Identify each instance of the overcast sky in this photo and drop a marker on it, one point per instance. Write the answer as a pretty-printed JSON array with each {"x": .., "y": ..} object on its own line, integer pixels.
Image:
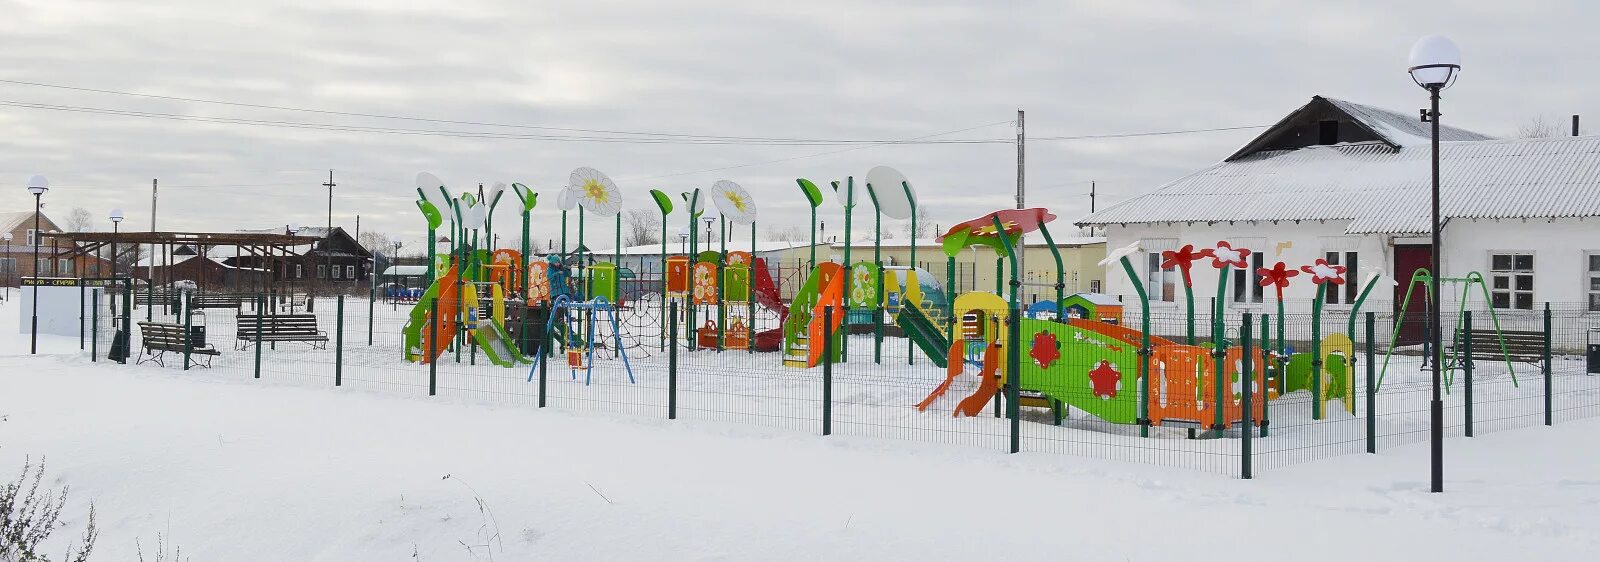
[{"x": 813, "y": 70}]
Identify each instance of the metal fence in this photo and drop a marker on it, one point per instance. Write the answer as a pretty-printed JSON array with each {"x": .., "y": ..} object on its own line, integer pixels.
[{"x": 650, "y": 365}]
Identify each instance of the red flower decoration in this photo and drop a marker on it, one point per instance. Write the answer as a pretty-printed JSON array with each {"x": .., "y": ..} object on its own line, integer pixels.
[
  {"x": 1183, "y": 259},
  {"x": 1278, "y": 276},
  {"x": 1105, "y": 381},
  {"x": 1323, "y": 272},
  {"x": 1225, "y": 255},
  {"x": 1044, "y": 350}
]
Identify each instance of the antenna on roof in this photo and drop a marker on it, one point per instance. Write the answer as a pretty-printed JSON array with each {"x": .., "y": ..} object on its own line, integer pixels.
[{"x": 1574, "y": 125}]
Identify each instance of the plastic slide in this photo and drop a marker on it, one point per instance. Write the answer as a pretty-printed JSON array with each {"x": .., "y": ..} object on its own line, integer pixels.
[
  {"x": 923, "y": 333},
  {"x": 1124, "y": 334},
  {"x": 766, "y": 294},
  {"x": 951, "y": 372},
  {"x": 798, "y": 347},
  {"x": 830, "y": 295},
  {"x": 416, "y": 328},
  {"x": 988, "y": 385}
]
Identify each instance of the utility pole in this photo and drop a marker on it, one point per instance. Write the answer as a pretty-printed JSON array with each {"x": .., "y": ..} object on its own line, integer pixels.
[
  {"x": 150, "y": 271},
  {"x": 1091, "y": 205},
  {"x": 1022, "y": 245},
  {"x": 328, "y": 235}
]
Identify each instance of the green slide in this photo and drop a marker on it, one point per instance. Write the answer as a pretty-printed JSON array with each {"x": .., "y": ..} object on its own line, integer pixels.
[
  {"x": 497, "y": 344},
  {"x": 418, "y": 319},
  {"x": 923, "y": 333}
]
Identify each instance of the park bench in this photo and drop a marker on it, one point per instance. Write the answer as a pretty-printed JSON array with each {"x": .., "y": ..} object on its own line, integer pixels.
[
  {"x": 215, "y": 300},
  {"x": 1521, "y": 346},
  {"x": 158, "y": 338},
  {"x": 279, "y": 328}
]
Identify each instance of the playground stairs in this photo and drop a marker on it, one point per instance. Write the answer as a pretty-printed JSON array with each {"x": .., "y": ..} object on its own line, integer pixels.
[{"x": 797, "y": 354}]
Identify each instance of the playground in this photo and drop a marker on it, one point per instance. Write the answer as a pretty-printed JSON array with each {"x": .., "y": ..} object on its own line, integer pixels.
[{"x": 856, "y": 347}]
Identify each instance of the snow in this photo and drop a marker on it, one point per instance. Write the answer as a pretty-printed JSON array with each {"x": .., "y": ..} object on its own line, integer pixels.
[{"x": 290, "y": 468}]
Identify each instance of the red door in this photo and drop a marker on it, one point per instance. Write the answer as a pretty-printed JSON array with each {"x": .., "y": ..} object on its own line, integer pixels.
[{"x": 1407, "y": 260}]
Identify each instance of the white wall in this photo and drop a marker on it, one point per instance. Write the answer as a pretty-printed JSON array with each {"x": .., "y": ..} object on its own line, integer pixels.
[{"x": 1559, "y": 248}]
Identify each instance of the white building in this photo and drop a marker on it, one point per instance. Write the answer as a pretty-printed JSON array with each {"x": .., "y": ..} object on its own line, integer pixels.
[{"x": 1351, "y": 184}]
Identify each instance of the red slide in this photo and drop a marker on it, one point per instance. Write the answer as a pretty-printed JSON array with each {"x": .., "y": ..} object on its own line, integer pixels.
[
  {"x": 971, "y": 406},
  {"x": 766, "y": 293},
  {"x": 954, "y": 365}
]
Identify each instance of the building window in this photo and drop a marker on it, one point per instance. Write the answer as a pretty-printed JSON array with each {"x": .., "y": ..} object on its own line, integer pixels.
[
  {"x": 29, "y": 236},
  {"x": 1094, "y": 286},
  {"x": 1160, "y": 284},
  {"x": 41, "y": 267},
  {"x": 1346, "y": 293},
  {"x": 1247, "y": 284},
  {"x": 8, "y": 266},
  {"x": 1593, "y": 279},
  {"x": 65, "y": 267},
  {"x": 299, "y": 272},
  {"x": 322, "y": 271},
  {"x": 1511, "y": 280},
  {"x": 336, "y": 271},
  {"x": 350, "y": 271}
]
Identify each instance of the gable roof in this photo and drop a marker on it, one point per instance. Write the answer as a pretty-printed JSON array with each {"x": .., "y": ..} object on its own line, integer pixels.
[
  {"x": 1392, "y": 128},
  {"x": 1379, "y": 189},
  {"x": 11, "y": 220}
]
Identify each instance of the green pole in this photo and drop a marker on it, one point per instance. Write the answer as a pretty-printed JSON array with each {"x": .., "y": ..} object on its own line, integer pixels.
[
  {"x": 694, "y": 213},
  {"x": 1060, "y": 269},
  {"x": 372, "y": 299},
  {"x": 950, "y": 296},
  {"x": 1266, "y": 391},
  {"x": 94, "y": 326},
  {"x": 261, "y": 303},
  {"x": 1316, "y": 353},
  {"x": 1013, "y": 355},
  {"x": 722, "y": 278},
  {"x": 338, "y": 345},
  {"x": 583, "y": 285},
  {"x": 849, "y": 209},
  {"x": 1466, "y": 370},
  {"x": 616, "y": 253},
  {"x": 1219, "y": 348},
  {"x": 911, "y": 355},
  {"x": 1548, "y": 382},
  {"x": 1248, "y": 381},
  {"x": 877, "y": 265},
  {"x": 188, "y": 327},
  {"x": 814, "y": 198},
  {"x": 1144, "y": 347},
  {"x": 433, "y": 337},
  {"x": 999, "y": 275},
  {"x": 750, "y": 278},
  {"x": 1372, "y": 392}
]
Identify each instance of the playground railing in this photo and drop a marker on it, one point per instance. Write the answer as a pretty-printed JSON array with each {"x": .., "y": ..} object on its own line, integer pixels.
[{"x": 876, "y": 387}]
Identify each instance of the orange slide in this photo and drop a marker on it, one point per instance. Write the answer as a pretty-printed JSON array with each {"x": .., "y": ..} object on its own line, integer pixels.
[
  {"x": 445, "y": 320},
  {"x": 832, "y": 294},
  {"x": 954, "y": 364},
  {"x": 989, "y": 384}
]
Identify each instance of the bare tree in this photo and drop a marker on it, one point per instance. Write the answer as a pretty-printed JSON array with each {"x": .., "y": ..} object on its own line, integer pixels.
[
  {"x": 375, "y": 242},
  {"x": 643, "y": 227},
  {"x": 924, "y": 225},
  {"x": 1537, "y": 127},
  {"x": 791, "y": 233},
  {"x": 79, "y": 220}
]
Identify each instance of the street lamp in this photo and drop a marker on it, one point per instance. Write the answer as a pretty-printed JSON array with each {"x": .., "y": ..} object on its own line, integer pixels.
[
  {"x": 683, "y": 242},
  {"x": 37, "y": 185},
  {"x": 1435, "y": 61},
  {"x": 116, "y": 219},
  {"x": 709, "y": 220}
]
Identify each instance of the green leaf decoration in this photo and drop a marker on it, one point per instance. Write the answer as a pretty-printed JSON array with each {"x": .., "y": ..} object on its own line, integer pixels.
[
  {"x": 431, "y": 212},
  {"x": 527, "y": 196},
  {"x": 813, "y": 195},
  {"x": 662, "y": 201}
]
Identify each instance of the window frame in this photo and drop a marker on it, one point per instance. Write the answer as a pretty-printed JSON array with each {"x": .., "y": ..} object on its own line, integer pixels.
[
  {"x": 1350, "y": 288},
  {"x": 1257, "y": 294},
  {"x": 322, "y": 271},
  {"x": 1155, "y": 280},
  {"x": 1511, "y": 291},
  {"x": 350, "y": 272},
  {"x": 1591, "y": 276}
]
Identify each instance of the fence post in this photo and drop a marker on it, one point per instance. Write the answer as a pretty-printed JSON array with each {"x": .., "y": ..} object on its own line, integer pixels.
[
  {"x": 188, "y": 326},
  {"x": 83, "y": 299},
  {"x": 372, "y": 302},
  {"x": 1548, "y": 382},
  {"x": 672, "y": 362},
  {"x": 1466, "y": 366},
  {"x": 94, "y": 326},
  {"x": 545, "y": 349},
  {"x": 1247, "y": 384},
  {"x": 127, "y": 324},
  {"x": 1266, "y": 380},
  {"x": 1372, "y": 399},
  {"x": 338, "y": 346},
  {"x": 433, "y": 346},
  {"x": 1013, "y": 370},
  {"x": 827, "y": 370},
  {"x": 260, "y": 310}
]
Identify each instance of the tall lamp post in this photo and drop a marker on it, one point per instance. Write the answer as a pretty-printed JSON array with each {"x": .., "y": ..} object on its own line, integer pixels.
[
  {"x": 1435, "y": 61},
  {"x": 37, "y": 185},
  {"x": 116, "y": 219}
]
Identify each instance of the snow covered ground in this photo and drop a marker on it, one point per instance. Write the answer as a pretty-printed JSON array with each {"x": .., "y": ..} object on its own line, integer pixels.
[{"x": 288, "y": 468}]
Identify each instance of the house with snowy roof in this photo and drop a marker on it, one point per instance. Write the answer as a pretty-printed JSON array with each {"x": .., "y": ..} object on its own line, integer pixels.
[{"x": 1351, "y": 184}]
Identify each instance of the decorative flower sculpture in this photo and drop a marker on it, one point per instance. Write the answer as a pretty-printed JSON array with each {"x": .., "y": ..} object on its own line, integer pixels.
[
  {"x": 1276, "y": 277},
  {"x": 1105, "y": 381},
  {"x": 1323, "y": 272},
  {"x": 1183, "y": 259},
  {"x": 1225, "y": 255},
  {"x": 705, "y": 284}
]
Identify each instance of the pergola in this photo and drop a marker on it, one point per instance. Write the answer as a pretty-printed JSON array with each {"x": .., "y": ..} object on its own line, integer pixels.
[{"x": 266, "y": 248}]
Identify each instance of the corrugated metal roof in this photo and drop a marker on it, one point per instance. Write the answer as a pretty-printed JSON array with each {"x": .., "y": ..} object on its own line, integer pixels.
[
  {"x": 1400, "y": 128},
  {"x": 1380, "y": 189}
]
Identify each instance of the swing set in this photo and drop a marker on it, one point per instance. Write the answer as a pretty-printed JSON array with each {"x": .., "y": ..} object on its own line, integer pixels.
[
  {"x": 580, "y": 348},
  {"x": 1454, "y": 361}
]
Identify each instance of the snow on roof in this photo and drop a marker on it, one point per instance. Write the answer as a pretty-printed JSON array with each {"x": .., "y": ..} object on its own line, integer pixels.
[
  {"x": 406, "y": 270},
  {"x": 1380, "y": 189},
  {"x": 9, "y": 220},
  {"x": 1033, "y": 239},
  {"x": 762, "y": 246},
  {"x": 1099, "y": 299},
  {"x": 1402, "y": 129}
]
